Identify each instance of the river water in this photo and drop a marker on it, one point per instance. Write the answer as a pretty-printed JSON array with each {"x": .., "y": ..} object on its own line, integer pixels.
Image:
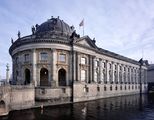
[{"x": 134, "y": 107}]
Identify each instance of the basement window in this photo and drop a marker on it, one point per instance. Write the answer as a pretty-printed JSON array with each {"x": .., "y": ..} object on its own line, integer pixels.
[
  {"x": 110, "y": 88},
  {"x": 63, "y": 90},
  {"x": 105, "y": 89},
  {"x": 98, "y": 89}
]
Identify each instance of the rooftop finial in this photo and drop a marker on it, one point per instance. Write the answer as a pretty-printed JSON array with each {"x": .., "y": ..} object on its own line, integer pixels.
[
  {"x": 58, "y": 17},
  {"x": 51, "y": 17}
]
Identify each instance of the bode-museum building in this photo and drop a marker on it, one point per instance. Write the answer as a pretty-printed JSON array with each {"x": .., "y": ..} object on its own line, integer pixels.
[{"x": 61, "y": 64}]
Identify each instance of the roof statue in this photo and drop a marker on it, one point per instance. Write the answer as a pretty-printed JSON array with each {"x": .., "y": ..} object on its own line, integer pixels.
[
  {"x": 12, "y": 40},
  {"x": 33, "y": 30},
  {"x": 18, "y": 34}
]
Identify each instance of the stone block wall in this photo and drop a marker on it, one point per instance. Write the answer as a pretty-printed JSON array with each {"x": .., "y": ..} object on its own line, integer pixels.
[
  {"x": 53, "y": 95},
  {"x": 86, "y": 92},
  {"x": 22, "y": 97}
]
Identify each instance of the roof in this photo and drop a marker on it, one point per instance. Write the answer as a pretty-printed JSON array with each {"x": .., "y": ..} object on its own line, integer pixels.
[{"x": 54, "y": 25}]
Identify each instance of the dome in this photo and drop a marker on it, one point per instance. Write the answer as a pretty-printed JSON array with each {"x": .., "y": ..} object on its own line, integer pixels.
[{"x": 54, "y": 25}]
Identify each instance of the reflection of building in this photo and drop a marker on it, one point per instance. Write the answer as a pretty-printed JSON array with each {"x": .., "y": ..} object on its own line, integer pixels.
[{"x": 54, "y": 57}]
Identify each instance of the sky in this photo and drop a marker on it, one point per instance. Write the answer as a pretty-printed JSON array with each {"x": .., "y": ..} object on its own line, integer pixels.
[{"x": 125, "y": 27}]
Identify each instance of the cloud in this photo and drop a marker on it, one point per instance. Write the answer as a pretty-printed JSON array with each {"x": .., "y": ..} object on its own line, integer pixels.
[{"x": 122, "y": 26}]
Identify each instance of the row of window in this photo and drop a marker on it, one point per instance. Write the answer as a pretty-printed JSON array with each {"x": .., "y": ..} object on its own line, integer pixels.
[
  {"x": 86, "y": 89},
  {"x": 43, "y": 57}
]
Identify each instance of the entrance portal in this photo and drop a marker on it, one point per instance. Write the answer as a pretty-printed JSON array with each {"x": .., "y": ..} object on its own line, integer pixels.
[
  {"x": 2, "y": 108},
  {"x": 44, "y": 77},
  {"x": 62, "y": 77},
  {"x": 27, "y": 76}
]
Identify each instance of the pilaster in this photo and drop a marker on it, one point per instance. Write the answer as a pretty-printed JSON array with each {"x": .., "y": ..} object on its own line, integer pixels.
[{"x": 34, "y": 68}]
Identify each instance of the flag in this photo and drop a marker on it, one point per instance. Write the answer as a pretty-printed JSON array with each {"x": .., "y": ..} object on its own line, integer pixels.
[{"x": 81, "y": 23}]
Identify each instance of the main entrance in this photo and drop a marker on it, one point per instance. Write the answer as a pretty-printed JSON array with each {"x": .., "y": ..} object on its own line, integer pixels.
[
  {"x": 62, "y": 77},
  {"x": 43, "y": 77},
  {"x": 27, "y": 76}
]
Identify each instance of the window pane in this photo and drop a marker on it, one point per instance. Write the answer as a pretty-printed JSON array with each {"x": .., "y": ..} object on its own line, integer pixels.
[
  {"x": 27, "y": 57},
  {"x": 83, "y": 75},
  {"x": 83, "y": 60},
  {"x": 62, "y": 57},
  {"x": 96, "y": 75},
  {"x": 44, "y": 56}
]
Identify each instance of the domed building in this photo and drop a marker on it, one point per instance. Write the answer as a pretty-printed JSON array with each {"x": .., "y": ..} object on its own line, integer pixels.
[{"x": 61, "y": 64}]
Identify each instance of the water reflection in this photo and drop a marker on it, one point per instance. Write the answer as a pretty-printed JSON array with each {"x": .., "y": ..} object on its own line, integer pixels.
[{"x": 134, "y": 107}]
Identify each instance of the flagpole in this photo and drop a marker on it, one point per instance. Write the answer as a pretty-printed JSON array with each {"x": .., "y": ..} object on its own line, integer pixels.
[{"x": 82, "y": 25}]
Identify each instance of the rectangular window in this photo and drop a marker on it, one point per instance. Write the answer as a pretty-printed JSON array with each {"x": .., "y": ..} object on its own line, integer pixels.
[
  {"x": 96, "y": 76},
  {"x": 83, "y": 75},
  {"x": 83, "y": 60},
  {"x": 110, "y": 65},
  {"x": 96, "y": 63},
  {"x": 104, "y": 65},
  {"x": 27, "y": 57},
  {"x": 115, "y": 67},
  {"x": 44, "y": 56},
  {"x": 17, "y": 60},
  {"x": 62, "y": 58}
]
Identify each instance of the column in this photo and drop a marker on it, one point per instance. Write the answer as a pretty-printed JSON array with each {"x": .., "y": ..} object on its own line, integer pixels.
[
  {"x": 112, "y": 71},
  {"x": 122, "y": 74},
  {"x": 75, "y": 59},
  {"x": 126, "y": 74},
  {"x": 100, "y": 70},
  {"x": 35, "y": 82},
  {"x": 90, "y": 69},
  {"x": 117, "y": 81},
  {"x": 78, "y": 67},
  {"x": 107, "y": 72},
  {"x": 54, "y": 61},
  {"x": 93, "y": 67}
]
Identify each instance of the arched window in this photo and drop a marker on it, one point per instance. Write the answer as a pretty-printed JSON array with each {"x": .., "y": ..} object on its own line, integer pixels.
[
  {"x": 62, "y": 77},
  {"x": 27, "y": 76},
  {"x": 2, "y": 107},
  {"x": 43, "y": 77}
]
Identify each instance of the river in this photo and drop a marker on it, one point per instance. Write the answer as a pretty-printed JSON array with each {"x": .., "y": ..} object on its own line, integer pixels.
[{"x": 134, "y": 107}]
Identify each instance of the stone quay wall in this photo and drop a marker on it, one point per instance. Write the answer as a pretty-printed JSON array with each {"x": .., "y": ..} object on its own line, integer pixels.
[{"x": 86, "y": 92}]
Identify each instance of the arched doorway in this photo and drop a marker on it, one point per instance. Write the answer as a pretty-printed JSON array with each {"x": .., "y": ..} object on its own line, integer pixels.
[
  {"x": 43, "y": 77},
  {"x": 27, "y": 76},
  {"x": 62, "y": 77},
  {"x": 2, "y": 107}
]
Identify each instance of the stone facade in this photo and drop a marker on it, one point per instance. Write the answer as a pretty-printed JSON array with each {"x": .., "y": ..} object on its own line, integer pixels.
[
  {"x": 65, "y": 67},
  {"x": 16, "y": 98}
]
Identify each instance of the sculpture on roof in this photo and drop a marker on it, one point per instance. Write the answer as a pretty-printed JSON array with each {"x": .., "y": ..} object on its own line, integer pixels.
[
  {"x": 33, "y": 30},
  {"x": 12, "y": 40},
  {"x": 18, "y": 34}
]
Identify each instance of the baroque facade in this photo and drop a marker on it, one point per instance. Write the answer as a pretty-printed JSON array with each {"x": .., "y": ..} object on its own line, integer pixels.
[{"x": 60, "y": 63}]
